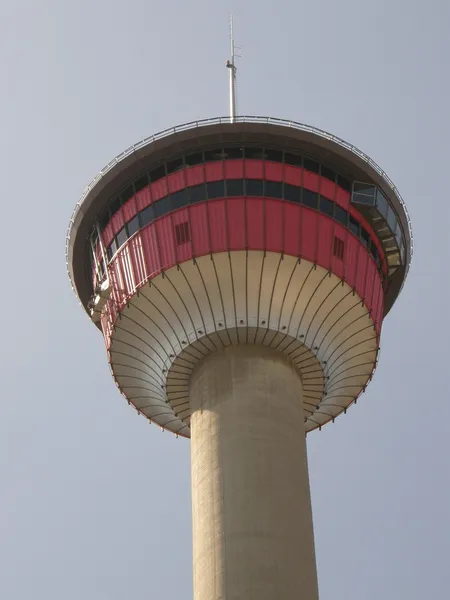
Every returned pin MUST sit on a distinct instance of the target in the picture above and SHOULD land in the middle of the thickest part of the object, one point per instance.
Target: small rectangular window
(132, 226)
(197, 193)
(365, 237)
(292, 193)
(111, 249)
(127, 193)
(182, 233)
(141, 183)
(215, 189)
(292, 159)
(374, 252)
(175, 165)
(115, 205)
(274, 155)
(310, 198)
(196, 158)
(353, 225)
(273, 189)
(157, 173)
(103, 220)
(253, 187)
(121, 237)
(162, 207)
(363, 193)
(382, 204)
(147, 215)
(338, 248)
(311, 165)
(392, 220)
(234, 153)
(326, 206)
(328, 173)
(234, 187)
(344, 183)
(214, 154)
(179, 199)
(257, 153)
(340, 214)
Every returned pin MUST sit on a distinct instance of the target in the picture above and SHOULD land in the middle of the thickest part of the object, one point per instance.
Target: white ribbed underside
(239, 298)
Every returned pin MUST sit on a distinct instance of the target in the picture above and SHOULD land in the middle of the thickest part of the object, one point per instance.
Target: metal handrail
(239, 119)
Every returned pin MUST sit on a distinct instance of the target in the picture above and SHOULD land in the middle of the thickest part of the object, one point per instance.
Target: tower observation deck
(240, 270)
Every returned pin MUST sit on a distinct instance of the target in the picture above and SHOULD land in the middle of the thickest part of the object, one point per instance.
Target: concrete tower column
(252, 520)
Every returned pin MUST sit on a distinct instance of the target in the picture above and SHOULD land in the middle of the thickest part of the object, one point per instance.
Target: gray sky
(95, 502)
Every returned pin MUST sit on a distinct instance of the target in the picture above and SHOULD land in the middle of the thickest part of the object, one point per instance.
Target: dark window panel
(175, 165)
(162, 207)
(382, 204)
(121, 237)
(132, 226)
(179, 199)
(365, 237)
(234, 187)
(326, 206)
(197, 193)
(214, 154)
(147, 215)
(344, 183)
(364, 188)
(311, 165)
(195, 158)
(253, 187)
(115, 205)
(141, 183)
(392, 220)
(309, 198)
(127, 194)
(103, 221)
(157, 173)
(234, 153)
(110, 250)
(215, 189)
(340, 214)
(274, 155)
(293, 159)
(254, 153)
(273, 189)
(328, 173)
(292, 193)
(353, 225)
(374, 252)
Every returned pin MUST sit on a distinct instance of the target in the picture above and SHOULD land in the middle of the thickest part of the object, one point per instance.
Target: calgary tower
(239, 269)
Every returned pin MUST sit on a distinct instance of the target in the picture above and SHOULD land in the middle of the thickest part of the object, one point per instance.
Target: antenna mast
(232, 74)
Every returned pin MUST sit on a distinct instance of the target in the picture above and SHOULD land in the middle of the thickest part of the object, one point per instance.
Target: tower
(240, 269)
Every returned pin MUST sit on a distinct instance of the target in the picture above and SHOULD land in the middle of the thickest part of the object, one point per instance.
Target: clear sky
(94, 501)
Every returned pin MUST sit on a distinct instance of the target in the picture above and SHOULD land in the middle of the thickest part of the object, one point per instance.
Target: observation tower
(240, 269)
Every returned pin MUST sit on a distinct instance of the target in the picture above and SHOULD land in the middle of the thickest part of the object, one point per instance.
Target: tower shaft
(252, 521)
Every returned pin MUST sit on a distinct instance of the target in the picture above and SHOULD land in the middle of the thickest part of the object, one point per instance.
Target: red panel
(327, 188)
(371, 271)
(309, 234)
(195, 175)
(324, 241)
(150, 247)
(337, 265)
(166, 242)
(363, 258)
(310, 181)
(291, 229)
(117, 222)
(183, 251)
(273, 171)
(108, 234)
(217, 225)
(236, 223)
(159, 189)
(234, 169)
(143, 198)
(129, 209)
(214, 171)
(199, 229)
(255, 223)
(274, 225)
(351, 257)
(175, 181)
(254, 169)
(293, 175)
(342, 197)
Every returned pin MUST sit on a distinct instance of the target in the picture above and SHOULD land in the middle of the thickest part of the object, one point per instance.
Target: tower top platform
(273, 132)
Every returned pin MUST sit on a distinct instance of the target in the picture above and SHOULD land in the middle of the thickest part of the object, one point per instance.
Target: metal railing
(239, 119)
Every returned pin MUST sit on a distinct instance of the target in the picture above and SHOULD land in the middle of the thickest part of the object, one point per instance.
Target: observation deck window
(273, 189)
(197, 193)
(147, 215)
(311, 165)
(295, 160)
(353, 225)
(179, 199)
(235, 187)
(162, 206)
(121, 237)
(341, 215)
(215, 189)
(292, 193)
(127, 194)
(326, 206)
(364, 193)
(274, 155)
(141, 183)
(253, 187)
(133, 226)
(310, 198)
(233, 153)
(196, 158)
(175, 165)
(328, 173)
